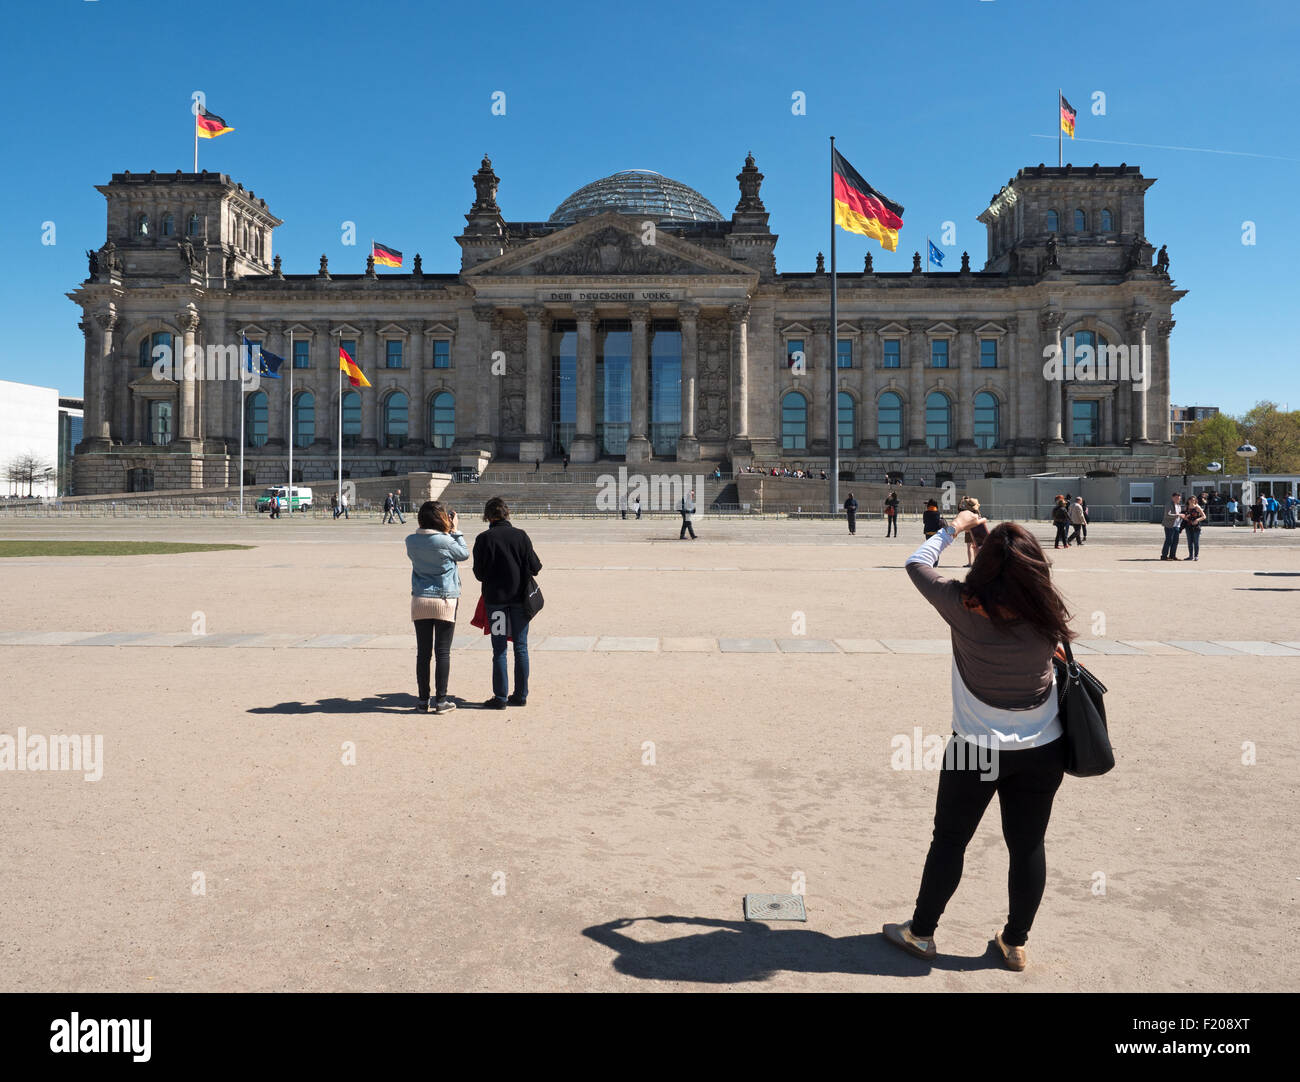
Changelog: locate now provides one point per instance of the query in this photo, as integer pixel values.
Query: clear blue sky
(379, 113)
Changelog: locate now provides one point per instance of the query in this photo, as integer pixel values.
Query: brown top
(1010, 669)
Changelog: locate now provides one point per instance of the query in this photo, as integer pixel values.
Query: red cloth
(480, 619)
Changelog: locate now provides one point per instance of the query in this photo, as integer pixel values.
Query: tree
(1276, 434)
(1211, 439)
(28, 470)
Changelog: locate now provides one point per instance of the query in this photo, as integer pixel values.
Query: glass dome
(637, 191)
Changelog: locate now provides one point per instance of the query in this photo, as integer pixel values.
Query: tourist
(688, 512)
(851, 509)
(1288, 511)
(537, 468)
(1061, 520)
(343, 505)
(504, 561)
(1272, 512)
(1193, 519)
(1172, 522)
(969, 503)
(1077, 520)
(1084, 504)
(931, 523)
(1006, 620)
(566, 463)
(434, 551)
(636, 504)
(891, 514)
(388, 509)
(1257, 514)
(334, 504)
(1232, 511)
(397, 506)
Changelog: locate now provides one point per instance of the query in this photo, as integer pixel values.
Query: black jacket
(503, 556)
(851, 506)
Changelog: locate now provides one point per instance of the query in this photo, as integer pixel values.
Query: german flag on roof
(859, 208)
(209, 125)
(351, 369)
(387, 257)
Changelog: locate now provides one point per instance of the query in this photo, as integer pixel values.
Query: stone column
(966, 386)
(688, 447)
(98, 377)
(1009, 418)
(739, 442)
(417, 413)
(583, 448)
(638, 446)
(869, 350)
(1049, 322)
(371, 425)
(533, 444)
(820, 369)
(277, 391)
(916, 342)
(1137, 327)
(191, 369)
(325, 366)
(1160, 362)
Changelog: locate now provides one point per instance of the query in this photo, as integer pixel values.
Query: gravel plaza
(708, 719)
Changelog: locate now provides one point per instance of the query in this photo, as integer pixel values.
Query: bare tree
(28, 470)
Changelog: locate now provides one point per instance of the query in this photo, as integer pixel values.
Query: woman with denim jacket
(434, 550)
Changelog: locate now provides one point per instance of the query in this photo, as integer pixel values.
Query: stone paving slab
(50, 638)
(113, 638)
(1258, 648)
(331, 642)
(275, 640)
(1081, 650)
(1151, 647)
(162, 638)
(807, 646)
(862, 646)
(747, 646)
(918, 646)
(685, 645)
(1107, 646)
(627, 642)
(1293, 644)
(476, 640)
(580, 643)
(1205, 649)
(389, 642)
(225, 638)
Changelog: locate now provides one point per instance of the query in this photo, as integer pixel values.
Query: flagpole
(833, 421)
(291, 424)
(242, 411)
(196, 143)
(1060, 140)
(340, 439)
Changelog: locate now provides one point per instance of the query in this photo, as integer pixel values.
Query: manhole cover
(775, 907)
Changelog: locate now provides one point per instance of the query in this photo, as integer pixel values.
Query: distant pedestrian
(1077, 520)
(1232, 512)
(538, 467)
(388, 509)
(1257, 514)
(566, 463)
(343, 505)
(891, 514)
(504, 561)
(1061, 520)
(970, 503)
(622, 507)
(688, 512)
(637, 504)
(1172, 522)
(1272, 512)
(851, 509)
(931, 523)
(1084, 504)
(434, 551)
(334, 504)
(397, 506)
(1193, 519)
(275, 505)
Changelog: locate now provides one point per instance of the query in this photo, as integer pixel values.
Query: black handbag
(1083, 716)
(532, 601)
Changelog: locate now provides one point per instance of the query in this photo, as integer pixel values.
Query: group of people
(1070, 517)
(783, 471)
(504, 564)
(393, 508)
(1266, 512)
(891, 514)
(1182, 518)
(339, 504)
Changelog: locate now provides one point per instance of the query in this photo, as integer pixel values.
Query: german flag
(859, 208)
(356, 377)
(1068, 114)
(385, 256)
(209, 125)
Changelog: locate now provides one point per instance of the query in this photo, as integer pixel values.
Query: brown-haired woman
(1006, 620)
(434, 550)
(1193, 520)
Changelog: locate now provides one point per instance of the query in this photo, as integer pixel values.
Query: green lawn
(104, 548)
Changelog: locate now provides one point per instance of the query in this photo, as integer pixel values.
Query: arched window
(168, 225)
(160, 422)
(848, 420)
(193, 227)
(1094, 356)
(938, 421)
(1107, 222)
(142, 225)
(794, 422)
(395, 426)
(351, 419)
(1053, 222)
(889, 421)
(1080, 221)
(150, 342)
(255, 420)
(442, 420)
(304, 419)
(986, 421)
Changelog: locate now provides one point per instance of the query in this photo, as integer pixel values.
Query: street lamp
(1247, 451)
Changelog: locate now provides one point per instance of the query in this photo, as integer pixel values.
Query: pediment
(990, 330)
(253, 330)
(796, 330)
(390, 329)
(345, 330)
(608, 244)
(440, 328)
(941, 330)
(892, 330)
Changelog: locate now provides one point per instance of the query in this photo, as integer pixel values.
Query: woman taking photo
(1005, 620)
(435, 549)
(1193, 519)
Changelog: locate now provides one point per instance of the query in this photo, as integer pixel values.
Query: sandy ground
(539, 849)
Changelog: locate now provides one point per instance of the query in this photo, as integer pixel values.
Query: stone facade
(554, 337)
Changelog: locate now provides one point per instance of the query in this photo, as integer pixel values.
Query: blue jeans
(516, 627)
(1193, 540)
(1171, 542)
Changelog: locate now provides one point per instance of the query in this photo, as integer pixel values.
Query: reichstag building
(637, 323)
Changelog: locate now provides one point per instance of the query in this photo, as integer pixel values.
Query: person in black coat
(931, 523)
(851, 509)
(503, 562)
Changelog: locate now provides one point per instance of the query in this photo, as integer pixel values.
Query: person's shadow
(382, 703)
(734, 951)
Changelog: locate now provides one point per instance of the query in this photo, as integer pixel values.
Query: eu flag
(936, 256)
(268, 363)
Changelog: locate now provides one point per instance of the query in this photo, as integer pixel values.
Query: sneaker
(515, 700)
(421, 706)
(494, 704)
(444, 706)
(1014, 957)
(900, 935)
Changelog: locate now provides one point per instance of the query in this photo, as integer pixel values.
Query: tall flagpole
(291, 432)
(242, 410)
(834, 413)
(340, 439)
(196, 142)
(1060, 141)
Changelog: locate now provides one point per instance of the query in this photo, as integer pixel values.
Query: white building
(29, 430)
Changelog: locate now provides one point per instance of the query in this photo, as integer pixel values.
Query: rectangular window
(844, 353)
(441, 353)
(1141, 492)
(988, 353)
(939, 353)
(893, 353)
(301, 354)
(349, 346)
(794, 353)
(1084, 427)
(393, 353)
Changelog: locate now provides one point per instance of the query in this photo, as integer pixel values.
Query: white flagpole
(1060, 138)
(196, 142)
(242, 409)
(290, 360)
(340, 439)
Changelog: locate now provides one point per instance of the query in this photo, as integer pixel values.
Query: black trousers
(1026, 784)
(686, 525)
(853, 521)
(433, 639)
(891, 527)
(1076, 535)
(1061, 537)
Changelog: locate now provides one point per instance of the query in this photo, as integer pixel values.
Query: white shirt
(1005, 730)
